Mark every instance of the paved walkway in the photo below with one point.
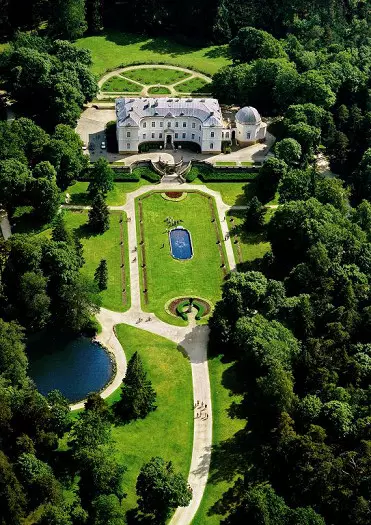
(5, 225)
(192, 338)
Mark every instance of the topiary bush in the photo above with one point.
(179, 310)
(200, 310)
(147, 174)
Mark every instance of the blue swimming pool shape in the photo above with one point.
(181, 243)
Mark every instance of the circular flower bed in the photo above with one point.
(179, 306)
(174, 195)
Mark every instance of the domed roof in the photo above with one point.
(248, 115)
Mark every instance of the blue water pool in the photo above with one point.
(76, 367)
(181, 243)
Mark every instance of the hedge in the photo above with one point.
(179, 309)
(200, 309)
(209, 174)
(147, 174)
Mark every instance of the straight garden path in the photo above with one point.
(193, 339)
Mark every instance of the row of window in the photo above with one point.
(225, 135)
(184, 124)
(128, 145)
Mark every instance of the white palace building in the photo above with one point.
(173, 121)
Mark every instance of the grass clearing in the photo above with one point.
(116, 197)
(149, 76)
(168, 431)
(158, 90)
(194, 85)
(113, 49)
(167, 277)
(232, 192)
(118, 84)
(106, 246)
(225, 163)
(251, 245)
(224, 428)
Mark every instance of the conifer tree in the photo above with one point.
(99, 215)
(60, 232)
(137, 395)
(101, 275)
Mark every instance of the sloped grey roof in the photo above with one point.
(130, 111)
(248, 115)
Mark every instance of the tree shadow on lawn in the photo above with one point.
(166, 47)
(220, 51)
(27, 222)
(81, 199)
(122, 38)
(85, 232)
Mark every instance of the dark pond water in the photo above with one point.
(76, 367)
(181, 244)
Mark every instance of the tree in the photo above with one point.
(251, 44)
(99, 215)
(101, 275)
(268, 178)
(296, 185)
(38, 479)
(45, 197)
(94, 15)
(12, 497)
(33, 301)
(254, 215)
(44, 170)
(107, 511)
(54, 515)
(13, 360)
(31, 137)
(97, 404)
(90, 431)
(160, 490)
(59, 231)
(288, 150)
(307, 136)
(101, 178)
(67, 19)
(137, 395)
(14, 177)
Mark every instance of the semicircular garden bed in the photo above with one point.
(179, 307)
(174, 195)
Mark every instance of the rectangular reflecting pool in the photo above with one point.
(180, 243)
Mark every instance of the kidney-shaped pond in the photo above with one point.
(76, 367)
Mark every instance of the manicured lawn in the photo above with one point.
(159, 90)
(232, 192)
(106, 246)
(116, 197)
(155, 75)
(113, 49)
(252, 245)
(194, 85)
(120, 84)
(247, 163)
(225, 163)
(224, 427)
(167, 277)
(168, 431)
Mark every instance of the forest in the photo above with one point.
(296, 324)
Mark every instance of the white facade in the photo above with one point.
(169, 121)
(249, 126)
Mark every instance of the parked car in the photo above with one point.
(84, 146)
(103, 145)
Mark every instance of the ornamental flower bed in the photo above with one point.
(173, 194)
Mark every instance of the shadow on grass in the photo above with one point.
(220, 51)
(122, 38)
(25, 221)
(166, 47)
(134, 517)
(84, 232)
(81, 199)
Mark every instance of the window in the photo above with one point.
(183, 135)
(144, 135)
(160, 135)
(193, 125)
(248, 135)
(211, 145)
(128, 134)
(193, 136)
(169, 124)
(212, 134)
(176, 135)
(199, 127)
(153, 124)
(128, 145)
(161, 124)
(184, 124)
(227, 135)
(153, 135)
(144, 124)
(177, 124)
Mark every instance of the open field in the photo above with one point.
(155, 75)
(113, 49)
(232, 192)
(168, 431)
(251, 245)
(224, 428)
(117, 84)
(167, 277)
(115, 197)
(106, 246)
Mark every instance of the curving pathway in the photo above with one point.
(192, 338)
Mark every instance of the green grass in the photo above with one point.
(223, 429)
(194, 85)
(115, 197)
(155, 75)
(167, 277)
(232, 192)
(253, 245)
(118, 84)
(247, 163)
(225, 163)
(159, 90)
(113, 49)
(168, 431)
(106, 246)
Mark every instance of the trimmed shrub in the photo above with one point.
(209, 174)
(200, 309)
(147, 174)
(179, 310)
